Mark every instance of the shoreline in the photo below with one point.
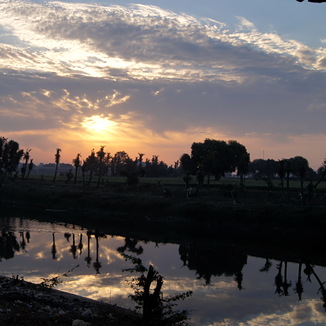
(26, 303)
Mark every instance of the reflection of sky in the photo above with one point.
(220, 303)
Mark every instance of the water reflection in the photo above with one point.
(230, 286)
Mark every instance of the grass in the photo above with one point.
(249, 182)
(224, 209)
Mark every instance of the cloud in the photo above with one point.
(153, 71)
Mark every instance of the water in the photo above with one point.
(228, 286)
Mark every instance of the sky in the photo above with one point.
(153, 77)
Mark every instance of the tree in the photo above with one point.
(215, 158)
(242, 166)
(288, 171)
(76, 162)
(10, 156)
(322, 173)
(300, 167)
(57, 161)
(26, 159)
(157, 310)
(100, 156)
(281, 171)
(30, 168)
(261, 168)
(90, 164)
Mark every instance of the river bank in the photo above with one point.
(24, 303)
(247, 216)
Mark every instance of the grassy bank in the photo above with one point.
(161, 206)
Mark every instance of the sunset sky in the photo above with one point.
(155, 76)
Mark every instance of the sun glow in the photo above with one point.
(98, 123)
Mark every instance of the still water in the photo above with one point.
(229, 287)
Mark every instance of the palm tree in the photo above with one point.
(90, 164)
(100, 155)
(76, 163)
(57, 161)
(26, 158)
(30, 168)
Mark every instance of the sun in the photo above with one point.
(98, 123)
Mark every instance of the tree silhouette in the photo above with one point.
(88, 258)
(281, 171)
(322, 172)
(73, 248)
(26, 157)
(91, 165)
(8, 245)
(57, 161)
(76, 162)
(157, 310)
(300, 167)
(298, 284)
(54, 247)
(282, 285)
(10, 156)
(97, 265)
(100, 155)
(266, 266)
(30, 168)
(80, 244)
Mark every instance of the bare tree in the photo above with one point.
(57, 161)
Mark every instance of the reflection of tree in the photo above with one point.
(239, 278)
(131, 245)
(97, 265)
(28, 236)
(67, 236)
(88, 258)
(208, 262)
(266, 266)
(148, 296)
(73, 248)
(80, 245)
(298, 284)
(22, 241)
(281, 283)
(8, 245)
(308, 271)
(54, 248)
(321, 284)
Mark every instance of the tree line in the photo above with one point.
(96, 165)
(210, 158)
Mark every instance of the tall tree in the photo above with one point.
(300, 167)
(26, 157)
(76, 161)
(216, 157)
(57, 161)
(100, 155)
(30, 168)
(10, 156)
(90, 165)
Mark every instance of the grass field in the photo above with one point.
(166, 181)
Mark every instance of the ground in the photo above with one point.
(23, 303)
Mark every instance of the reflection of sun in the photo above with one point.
(98, 123)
